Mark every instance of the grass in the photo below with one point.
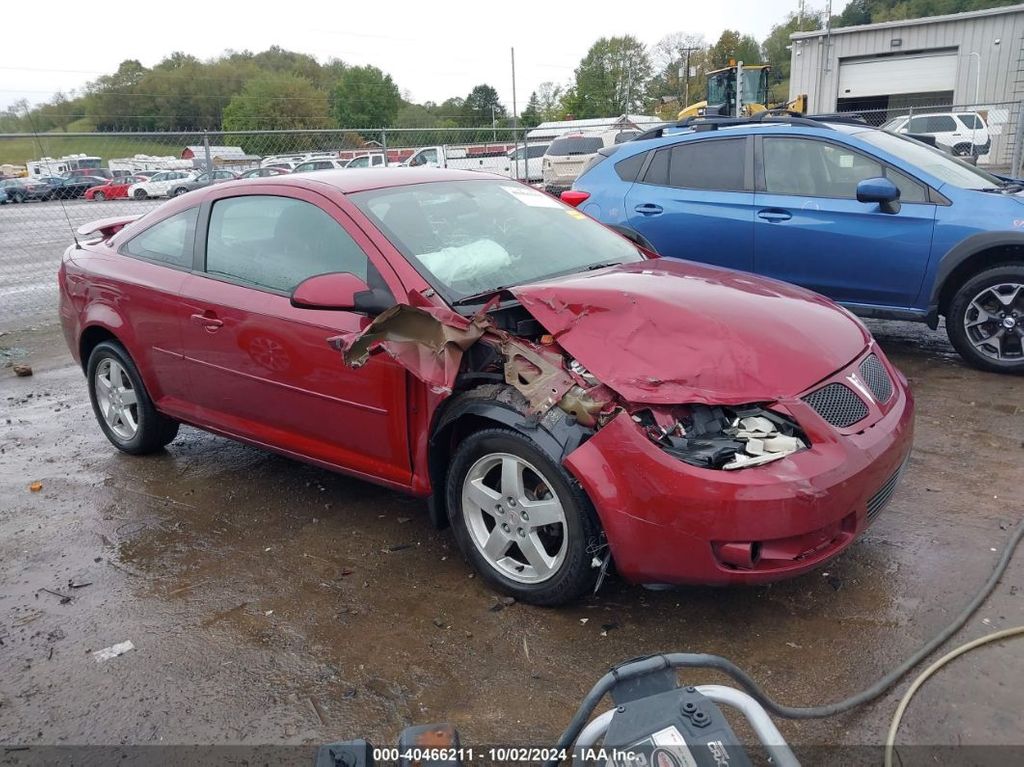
(20, 150)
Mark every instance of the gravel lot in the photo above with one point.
(275, 603)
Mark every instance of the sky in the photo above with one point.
(432, 50)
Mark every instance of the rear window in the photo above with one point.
(717, 164)
(574, 145)
(971, 121)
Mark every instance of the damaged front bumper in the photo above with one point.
(669, 522)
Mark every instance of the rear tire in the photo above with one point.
(962, 150)
(498, 536)
(985, 320)
(99, 196)
(17, 197)
(122, 405)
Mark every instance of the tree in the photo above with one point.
(366, 97)
(481, 106)
(871, 11)
(549, 101)
(734, 46)
(530, 116)
(776, 45)
(277, 101)
(611, 79)
(674, 56)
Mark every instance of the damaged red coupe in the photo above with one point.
(566, 401)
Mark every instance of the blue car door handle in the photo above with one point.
(648, 209)
(774, 214)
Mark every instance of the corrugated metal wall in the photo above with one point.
(1002, 63)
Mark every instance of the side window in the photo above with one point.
(910, 190)
(535, 151)
(169, 241)
(971, 121)
(277, 242)
(716, 165)
(918, 125)
(628, 169)
(814, 168)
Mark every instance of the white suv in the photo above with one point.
(965, 134)
(567, 155)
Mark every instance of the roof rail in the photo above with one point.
(714, 122)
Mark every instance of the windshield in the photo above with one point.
(471, 237)
(939, 164)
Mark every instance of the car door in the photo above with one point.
(261, 368)
(145, 285)
(695, 200)
(811, 230)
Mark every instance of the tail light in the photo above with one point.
(574, 197)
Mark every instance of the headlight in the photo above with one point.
(722, 437)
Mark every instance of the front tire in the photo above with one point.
(177, 192)
(99, 196)
(520, 518)
(139, 194)
(985, 321)
(122, 405)
(17, 197)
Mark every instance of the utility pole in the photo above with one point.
(515, 115)
(685, 95)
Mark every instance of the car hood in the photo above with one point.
(665, 331)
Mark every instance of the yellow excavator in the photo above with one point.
(754, 95)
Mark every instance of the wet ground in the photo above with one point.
(272, 602)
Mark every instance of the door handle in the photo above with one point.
(208, 321)
(774, 214)
(648, 209)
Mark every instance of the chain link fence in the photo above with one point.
(37, 223)
(33, 234)
(989, 133)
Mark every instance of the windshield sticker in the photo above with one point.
(575, 213)
(532, 197)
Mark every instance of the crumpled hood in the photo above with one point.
(665, 331)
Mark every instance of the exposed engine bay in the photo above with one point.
(451, 353)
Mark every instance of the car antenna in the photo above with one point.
(42, 153)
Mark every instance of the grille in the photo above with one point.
(838, 405)
(878, 501)
(874, 375)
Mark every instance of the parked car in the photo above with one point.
(73, 187)
(114, 189)
(562, 399)
(22, 189)
(320, 164)
(526, 163)
(159, 184)
(269, 170)
(566, 156)
(883, 224)
(4, 199)
(457, 158)
(962, 133)
(372, 160)
(203, 179)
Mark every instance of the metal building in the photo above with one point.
(963, 58)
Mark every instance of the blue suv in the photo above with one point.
(885, 225)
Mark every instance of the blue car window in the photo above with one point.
(712, 165)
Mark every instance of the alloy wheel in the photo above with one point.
(994, 322)
(514, 518)
(117, 399)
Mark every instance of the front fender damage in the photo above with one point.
(432, 343)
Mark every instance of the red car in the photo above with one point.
(114, 189)
(566, 401)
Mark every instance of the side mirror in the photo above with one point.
(340, 291)
(882, 191)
